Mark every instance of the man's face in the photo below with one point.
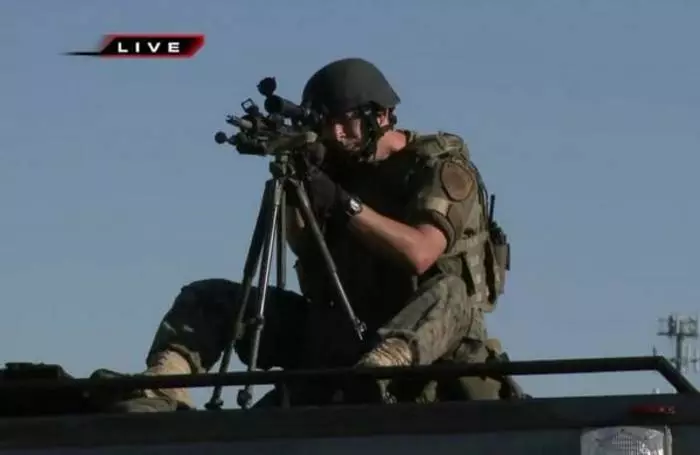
(344, 132)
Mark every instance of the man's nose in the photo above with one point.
(339, 130)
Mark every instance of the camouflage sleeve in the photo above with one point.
(444, 197)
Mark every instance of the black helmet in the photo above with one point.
(348, 84)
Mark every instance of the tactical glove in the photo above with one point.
(327, 197)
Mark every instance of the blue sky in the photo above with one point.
(582, 115)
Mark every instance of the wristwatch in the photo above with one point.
(353, 206)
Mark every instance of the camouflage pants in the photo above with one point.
(440, 323)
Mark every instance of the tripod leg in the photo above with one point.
(282, 242)
(310, 221)
(249, 269)
(245, 396)
(282, 271)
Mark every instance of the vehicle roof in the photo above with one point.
(347, 421)
(27, 395)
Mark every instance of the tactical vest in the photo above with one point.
(482, 253)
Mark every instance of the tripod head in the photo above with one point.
(285, 128)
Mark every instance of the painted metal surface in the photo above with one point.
(572, 425)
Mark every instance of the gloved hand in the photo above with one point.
(327, 197)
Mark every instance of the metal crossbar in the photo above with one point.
(519, 368)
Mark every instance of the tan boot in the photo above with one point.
(154, 400)
(392, 352)
(169, 363)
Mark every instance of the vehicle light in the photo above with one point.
(653, 409)
(626, 440)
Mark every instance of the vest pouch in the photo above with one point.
(501, 253)
(501, 247)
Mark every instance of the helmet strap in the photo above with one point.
(372, 132)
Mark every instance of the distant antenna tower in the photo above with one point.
(681, 330)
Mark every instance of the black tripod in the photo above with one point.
(270, 228)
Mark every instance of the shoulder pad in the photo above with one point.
(441, 145)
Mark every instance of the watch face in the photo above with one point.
(355, 206)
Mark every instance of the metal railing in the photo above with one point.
(20, 384)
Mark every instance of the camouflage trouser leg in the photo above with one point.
(442, 324)
(197, 328)
(199, 322)
(436, 320)
(439, 318)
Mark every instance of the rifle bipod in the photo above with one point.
(270, 227)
